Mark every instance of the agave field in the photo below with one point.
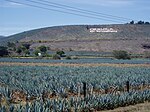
(72, 89)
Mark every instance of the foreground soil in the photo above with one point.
(143, 107)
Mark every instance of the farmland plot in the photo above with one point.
(61, 88)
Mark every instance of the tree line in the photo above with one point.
(24, 50)
(139, 22)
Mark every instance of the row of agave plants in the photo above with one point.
(50, 102)
(55, 89)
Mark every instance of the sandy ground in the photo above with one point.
(143, 107)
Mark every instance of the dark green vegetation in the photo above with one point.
(42, 49)
(140, 22)
(121, 55)
(3, 51)
(24, 50)
(133, 38)
(60, 88)
(60, 53)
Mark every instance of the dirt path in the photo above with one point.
(143, 107)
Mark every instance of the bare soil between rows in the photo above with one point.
(72, 64)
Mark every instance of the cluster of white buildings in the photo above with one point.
(102, 30)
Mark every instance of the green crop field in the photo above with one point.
(72, 89)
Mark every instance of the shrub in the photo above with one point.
(36, 52)
(60, 53)
(3, 51)
(121, 54)
(43, 49)
(27, 52)
(19, 50)
(11, 44)
(26, 45)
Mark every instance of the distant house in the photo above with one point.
(39, 54)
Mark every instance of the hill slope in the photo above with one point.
(1, 36)
(81, 32)
(78, 37)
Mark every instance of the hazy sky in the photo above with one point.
(15, 18)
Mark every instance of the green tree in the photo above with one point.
(121, 54)
(27, 52)
(60, 53)
(11, 44)
(36, 52)
(132, 22)
(23, 48)
(43, 49)
(19, 50)
(140, 22)
(3, 51)
(147, 23)
(26, 45)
